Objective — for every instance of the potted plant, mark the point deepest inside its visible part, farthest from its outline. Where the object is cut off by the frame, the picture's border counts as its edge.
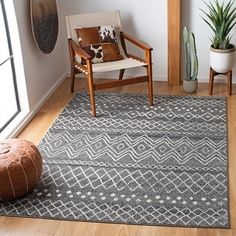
(190, 82)
(221, 18)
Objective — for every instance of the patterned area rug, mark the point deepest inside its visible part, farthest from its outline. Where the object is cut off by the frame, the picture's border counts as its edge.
(163, 165)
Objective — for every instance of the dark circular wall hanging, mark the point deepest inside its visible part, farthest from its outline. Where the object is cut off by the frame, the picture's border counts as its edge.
(44, 22)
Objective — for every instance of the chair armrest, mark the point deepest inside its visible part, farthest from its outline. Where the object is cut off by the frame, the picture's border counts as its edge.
(135, 41)
(78, 50)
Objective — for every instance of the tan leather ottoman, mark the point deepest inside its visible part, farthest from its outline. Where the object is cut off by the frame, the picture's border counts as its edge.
(20, 168)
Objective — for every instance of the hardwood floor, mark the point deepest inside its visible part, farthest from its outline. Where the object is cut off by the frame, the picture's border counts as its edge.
(10, 226)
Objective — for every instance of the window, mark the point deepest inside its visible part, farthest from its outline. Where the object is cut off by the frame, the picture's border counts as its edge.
(9, 99)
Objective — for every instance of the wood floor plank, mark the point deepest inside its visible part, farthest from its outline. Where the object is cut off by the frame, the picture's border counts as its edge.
(10, 226)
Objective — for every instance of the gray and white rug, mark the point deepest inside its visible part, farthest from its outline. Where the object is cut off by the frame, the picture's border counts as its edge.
(163, 165)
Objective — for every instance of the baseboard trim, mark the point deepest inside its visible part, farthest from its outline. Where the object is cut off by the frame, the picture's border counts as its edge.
(29, 116)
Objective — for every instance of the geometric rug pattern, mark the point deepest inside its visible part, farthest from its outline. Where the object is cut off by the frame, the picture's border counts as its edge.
(162, 165)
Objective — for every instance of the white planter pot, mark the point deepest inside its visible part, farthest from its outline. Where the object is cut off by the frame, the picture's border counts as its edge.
(222, 61)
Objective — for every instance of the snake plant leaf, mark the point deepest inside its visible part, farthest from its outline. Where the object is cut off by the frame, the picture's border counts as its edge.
(221, 18)
(190, 52)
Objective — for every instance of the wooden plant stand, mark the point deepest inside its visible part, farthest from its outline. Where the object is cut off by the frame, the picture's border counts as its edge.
(212, 76)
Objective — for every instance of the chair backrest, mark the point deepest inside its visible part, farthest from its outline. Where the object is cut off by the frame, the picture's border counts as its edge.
(91, 20)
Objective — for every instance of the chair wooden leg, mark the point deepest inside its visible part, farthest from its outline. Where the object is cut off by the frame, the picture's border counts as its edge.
(230, 82)
(149, 74)
(121, 74)
(72, 80)
(150, 86)
(211, 78)
(91, 93)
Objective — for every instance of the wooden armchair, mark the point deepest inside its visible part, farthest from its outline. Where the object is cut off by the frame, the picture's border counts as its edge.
(78, 54)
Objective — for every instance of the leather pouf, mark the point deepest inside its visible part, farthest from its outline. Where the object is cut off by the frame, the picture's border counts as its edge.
(20, 168)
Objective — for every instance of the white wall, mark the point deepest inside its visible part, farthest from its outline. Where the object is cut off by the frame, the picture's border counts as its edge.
(42, 71)
(145, 20)
(191, 17)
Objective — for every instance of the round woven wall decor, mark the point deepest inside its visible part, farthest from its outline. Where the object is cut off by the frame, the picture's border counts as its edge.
(44, 22)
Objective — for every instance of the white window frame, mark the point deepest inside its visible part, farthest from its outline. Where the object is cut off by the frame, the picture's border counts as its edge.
(13, 128)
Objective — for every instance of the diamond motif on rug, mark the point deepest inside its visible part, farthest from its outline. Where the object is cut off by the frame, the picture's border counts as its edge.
(163, 165)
